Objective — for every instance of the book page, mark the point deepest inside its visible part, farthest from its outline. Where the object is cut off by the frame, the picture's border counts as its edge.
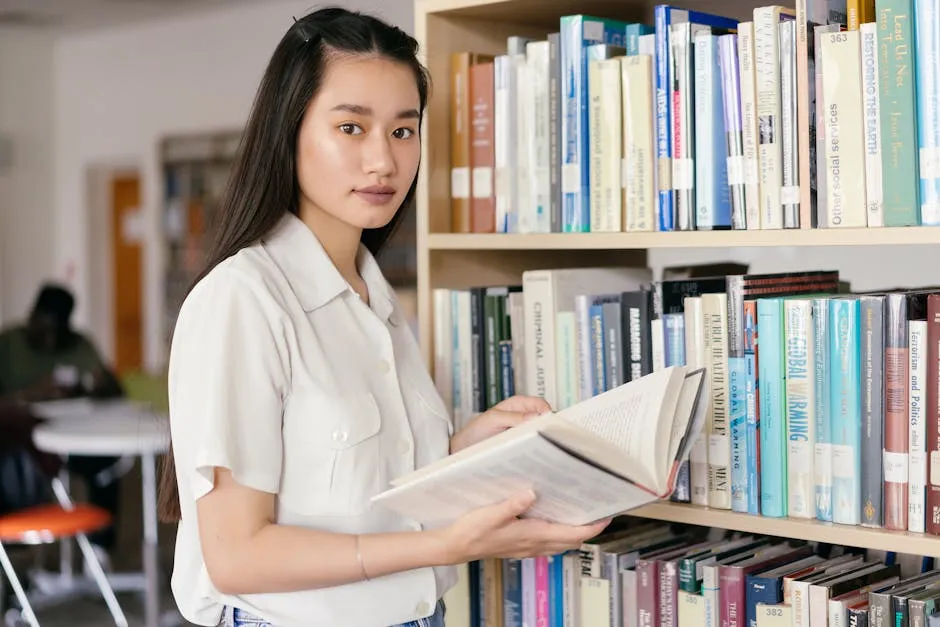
(569, 490)
(631, 416)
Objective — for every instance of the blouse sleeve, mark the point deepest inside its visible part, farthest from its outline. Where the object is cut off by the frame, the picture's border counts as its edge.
(228, 376)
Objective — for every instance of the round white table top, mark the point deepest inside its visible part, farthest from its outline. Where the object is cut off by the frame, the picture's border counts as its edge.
(116, 429)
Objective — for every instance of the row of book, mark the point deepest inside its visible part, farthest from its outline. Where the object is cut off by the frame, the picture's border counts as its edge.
(796, 118)
(646, 574)
(831, 415)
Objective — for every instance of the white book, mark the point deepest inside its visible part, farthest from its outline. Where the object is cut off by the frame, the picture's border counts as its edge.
(444, 346)
(718, 423)
(800, 401)
(604, 84)
(602, 457)
(845, 140)
(504, 151)
(538, 66)
(752, 194)
(872, 111)
(522, 100)
(769, 112)
(639, 181)
(695, 357)
(917, 458)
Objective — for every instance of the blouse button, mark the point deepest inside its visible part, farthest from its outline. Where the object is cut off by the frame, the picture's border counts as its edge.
(339, 435)
(384, 368)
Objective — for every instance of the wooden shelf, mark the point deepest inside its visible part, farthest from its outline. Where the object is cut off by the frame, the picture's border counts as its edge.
(901, 236)
(813, 530)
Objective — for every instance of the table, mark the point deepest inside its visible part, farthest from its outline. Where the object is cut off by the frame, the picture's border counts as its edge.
(114, 428)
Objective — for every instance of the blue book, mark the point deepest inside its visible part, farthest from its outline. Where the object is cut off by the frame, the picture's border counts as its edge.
(556, 591)
(598, 348)
(512, 592)
(773, 427)
(712, 194)
(577, 32)
(845, 411)
(665, 15)
(927, 82)
(751, 403)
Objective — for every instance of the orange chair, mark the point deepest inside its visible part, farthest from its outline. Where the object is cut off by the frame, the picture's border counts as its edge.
(46, 524)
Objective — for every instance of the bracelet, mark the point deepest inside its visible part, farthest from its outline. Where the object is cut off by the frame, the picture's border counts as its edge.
(362, 567)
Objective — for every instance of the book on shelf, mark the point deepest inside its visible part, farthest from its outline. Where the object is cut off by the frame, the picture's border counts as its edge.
(599, 458)
(778, 117)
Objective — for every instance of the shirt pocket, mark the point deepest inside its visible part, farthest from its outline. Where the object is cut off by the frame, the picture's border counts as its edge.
(332, 453)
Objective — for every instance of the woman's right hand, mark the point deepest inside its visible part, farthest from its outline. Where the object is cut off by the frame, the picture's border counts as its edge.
(497, 531)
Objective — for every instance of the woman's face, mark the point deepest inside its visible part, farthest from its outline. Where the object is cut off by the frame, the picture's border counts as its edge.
(358, 148)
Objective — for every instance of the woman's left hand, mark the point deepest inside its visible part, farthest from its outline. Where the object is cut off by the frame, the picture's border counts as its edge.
(504, 415)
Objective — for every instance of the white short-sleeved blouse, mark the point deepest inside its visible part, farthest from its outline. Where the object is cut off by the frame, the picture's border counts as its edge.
(281, 374)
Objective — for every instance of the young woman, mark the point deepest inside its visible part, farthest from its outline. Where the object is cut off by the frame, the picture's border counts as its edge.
(297, 391)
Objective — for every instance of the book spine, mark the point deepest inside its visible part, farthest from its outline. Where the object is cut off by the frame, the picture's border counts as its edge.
(712, 193)
(711, 592)
(896, 406)
(898, 113)
(773, 450)
(522, 106)
(845, 149)
(539, 303)
(639, 199)
(877, 386)
(460, 157)
(566, 362)
(586, 373)
(683, 125)
(845, 410)
(504, 132)
(668, 590)
(696, 357)
(917, 414)
(512, 593)
(554, 135)
(799, 388)
(769, 111)
(538, 71)
(609, 214)
(613, 344)
(820, 144)
(662, 15)
(873, 183)
(733, 128)
(822, 463)
(806, 113)
(789, 139)
(647, 592)
(598, 361)
(932, 414)
(752, 408)
(927, 45)
(483, 201)
(542, 591)
(717, 429)
(749, 134)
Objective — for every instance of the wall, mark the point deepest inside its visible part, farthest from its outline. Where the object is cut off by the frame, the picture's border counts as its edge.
(119, 91)
(26, 182)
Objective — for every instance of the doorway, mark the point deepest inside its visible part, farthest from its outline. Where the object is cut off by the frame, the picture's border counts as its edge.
(116, 264)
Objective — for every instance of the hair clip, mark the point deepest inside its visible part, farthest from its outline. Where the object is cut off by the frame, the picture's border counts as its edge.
(302, 28)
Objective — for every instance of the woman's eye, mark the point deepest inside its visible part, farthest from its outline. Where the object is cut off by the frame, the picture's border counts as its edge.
(403, 133)
(350, 129)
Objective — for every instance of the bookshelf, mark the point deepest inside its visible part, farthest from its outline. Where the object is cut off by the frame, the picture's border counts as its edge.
(460, 260)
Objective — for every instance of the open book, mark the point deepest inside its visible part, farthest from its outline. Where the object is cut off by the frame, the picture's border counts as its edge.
(602, 457)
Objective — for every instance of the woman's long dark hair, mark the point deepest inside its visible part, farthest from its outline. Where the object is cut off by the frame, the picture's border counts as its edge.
(263, 184)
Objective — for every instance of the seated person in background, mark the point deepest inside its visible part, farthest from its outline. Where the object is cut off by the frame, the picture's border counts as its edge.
(45, 359)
